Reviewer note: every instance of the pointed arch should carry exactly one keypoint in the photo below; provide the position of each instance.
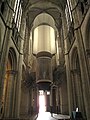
(13, 59)
(76, 82)
(9, 84)
(73, 58)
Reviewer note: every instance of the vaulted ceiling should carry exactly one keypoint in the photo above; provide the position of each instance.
(53, 7)
(33, 8)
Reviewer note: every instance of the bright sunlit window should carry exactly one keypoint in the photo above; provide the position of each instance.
(17, 13)
(48, 92)
(42, 107)
(68, 13)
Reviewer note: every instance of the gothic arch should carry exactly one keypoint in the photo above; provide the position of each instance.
(9, 84)
(13, 59)
(73, 58)
(76, 81)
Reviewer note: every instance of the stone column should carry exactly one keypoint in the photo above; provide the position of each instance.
(3, 60)
(6, 37)
(37, 100)
(88, 61)
(73, 90)
(79, 102)
(84, 72)
(32, 101)
(51, 100)
(9, 96)
(30, 93)
(67, 63)
(20, 62)
(46, 100)
(69, 85)
(54, 99)
(57, 98)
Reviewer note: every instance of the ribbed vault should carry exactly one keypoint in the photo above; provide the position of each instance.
(34, 7)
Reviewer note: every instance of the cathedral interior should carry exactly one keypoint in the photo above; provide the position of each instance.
(44, 59)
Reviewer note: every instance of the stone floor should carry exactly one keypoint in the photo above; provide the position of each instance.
(45, 116)
(42, 116)
(60, 116)
(49, 116)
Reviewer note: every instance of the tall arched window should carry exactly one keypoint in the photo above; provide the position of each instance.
(68, 13)
(9, 85)
(17, 14)
(77, 85)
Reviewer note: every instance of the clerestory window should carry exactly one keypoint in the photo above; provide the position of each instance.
(17, 14)
(68, 13)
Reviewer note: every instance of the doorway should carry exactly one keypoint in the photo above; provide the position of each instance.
(42, 101)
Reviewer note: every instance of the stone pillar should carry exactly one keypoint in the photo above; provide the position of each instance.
(57, 99)
(20, 62)
(88, 61)
(46, 101)
(54, 99)
(6, 36)
(3, 60)
(30, 93)
(67, 63)
(32, 101)
(69, 85)
(84, 72)
(9, 96)
(51, 100)
(79, 101)
(73, 90)
(37, 100)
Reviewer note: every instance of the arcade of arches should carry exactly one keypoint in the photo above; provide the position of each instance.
(44, 58)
